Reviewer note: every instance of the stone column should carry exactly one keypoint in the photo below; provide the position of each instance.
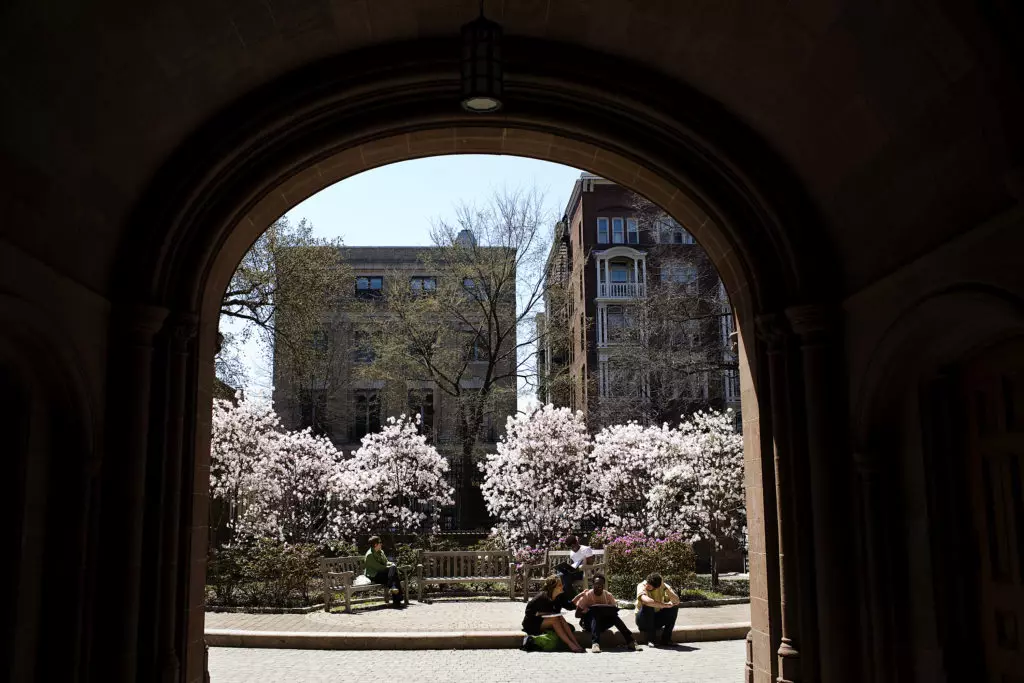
(182, 330)
(123, 492)
(829, 476)
(774, 330)
(877, 598)
(748, 671)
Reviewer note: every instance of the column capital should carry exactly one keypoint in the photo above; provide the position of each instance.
(773, 329)
(811, 319)
(182, 328)
(140, 322)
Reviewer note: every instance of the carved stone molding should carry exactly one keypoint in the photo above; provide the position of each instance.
(141, 323)
(811, 320)
(183, 329)
(773, 329)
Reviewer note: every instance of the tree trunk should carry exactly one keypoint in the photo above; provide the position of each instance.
(714, 563)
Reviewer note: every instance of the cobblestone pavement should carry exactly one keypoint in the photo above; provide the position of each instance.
(462, 615)
(712, 662)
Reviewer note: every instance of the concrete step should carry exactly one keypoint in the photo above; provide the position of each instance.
(439, 640)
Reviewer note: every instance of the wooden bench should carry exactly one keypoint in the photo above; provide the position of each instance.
(339, 575)
(534, 574)
(466, 566)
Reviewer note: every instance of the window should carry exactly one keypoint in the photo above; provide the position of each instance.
(620, 273)
(632, 231)
(683, 274)
(602, 231)
(369, 286)
(732, 385)
(423, 285)
(477, 350)
(362, 348)
(366, 416)
(421, 402)
(616, 323)
(618, 235)
(313, 411)
(680, 236)
(319, 340)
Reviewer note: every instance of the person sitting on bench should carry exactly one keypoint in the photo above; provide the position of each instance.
(543, 613)
(379, 570)
(571, 571)
(657, 606)
(599, 612)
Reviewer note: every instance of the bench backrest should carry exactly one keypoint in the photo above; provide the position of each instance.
(456, 563)
(557, 556)
(332, 566)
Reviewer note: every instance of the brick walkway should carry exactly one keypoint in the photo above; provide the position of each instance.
(714, 662)
(461, 615)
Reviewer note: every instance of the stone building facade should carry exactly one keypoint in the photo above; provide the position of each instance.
(339, 401)
(650, 329)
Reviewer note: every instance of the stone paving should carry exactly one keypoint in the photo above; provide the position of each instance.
(455, 615)
(712, 662)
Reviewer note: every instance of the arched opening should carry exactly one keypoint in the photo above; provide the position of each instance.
(951, 363)
(321, 131)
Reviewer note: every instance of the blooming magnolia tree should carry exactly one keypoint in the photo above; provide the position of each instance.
(631, 460)
(243, 444)
(290, 486)
(703, 494)
(312, 488)
(400, 479)
(531, 485)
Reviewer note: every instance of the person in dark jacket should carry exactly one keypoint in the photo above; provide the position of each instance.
(379, 570)
(543, 613)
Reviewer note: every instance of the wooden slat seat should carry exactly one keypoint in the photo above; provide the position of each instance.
(534, 574)
(466, 567)
(339, 574)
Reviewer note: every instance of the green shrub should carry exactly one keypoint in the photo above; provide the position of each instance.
(632, 557)
(266, 573)
(737, 588)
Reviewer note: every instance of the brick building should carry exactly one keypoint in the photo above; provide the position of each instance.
(649, 327)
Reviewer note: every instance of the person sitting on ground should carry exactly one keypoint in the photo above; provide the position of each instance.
(657, 606)
(571, 571)
(381, 571)
(543, 614)
(599, 612)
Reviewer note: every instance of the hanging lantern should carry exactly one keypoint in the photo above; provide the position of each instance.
(482, 75)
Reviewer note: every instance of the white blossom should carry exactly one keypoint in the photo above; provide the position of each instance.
(532, 484)
(703, 495)
(400, 480)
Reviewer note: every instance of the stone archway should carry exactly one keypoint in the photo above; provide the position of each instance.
(924, 569)
(327, 123)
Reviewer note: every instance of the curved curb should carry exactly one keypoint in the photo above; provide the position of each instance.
(434, 640)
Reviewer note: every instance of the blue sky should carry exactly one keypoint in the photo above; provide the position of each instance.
(395, 205)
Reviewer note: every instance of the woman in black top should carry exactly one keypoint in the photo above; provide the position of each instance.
(543, 613)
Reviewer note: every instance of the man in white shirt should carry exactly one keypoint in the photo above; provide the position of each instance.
(570, 571)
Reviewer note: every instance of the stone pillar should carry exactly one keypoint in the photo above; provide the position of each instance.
(173, 551)
(873, 545)
(829, 472)
(123, 493)
(748, 671)
(773, 329)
